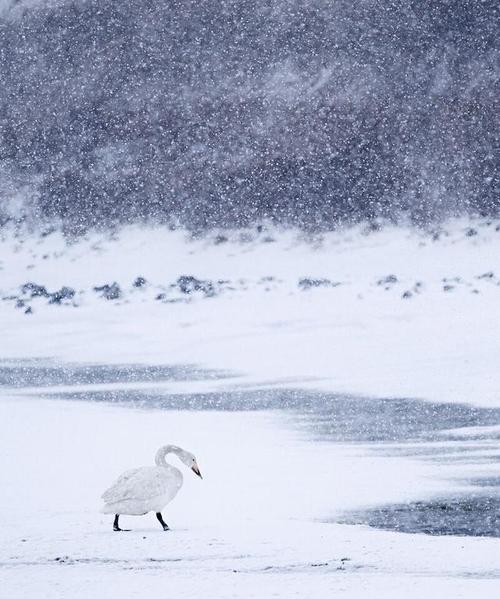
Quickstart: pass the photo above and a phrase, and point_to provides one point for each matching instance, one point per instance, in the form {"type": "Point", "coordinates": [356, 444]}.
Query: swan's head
{"type": "Point", "coordinates": [189, 460]}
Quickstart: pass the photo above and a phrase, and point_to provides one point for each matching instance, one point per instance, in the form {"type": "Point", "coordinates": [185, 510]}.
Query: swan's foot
{"type": "Point", "coordinates": [116, 526]}
{"type": "Point", "coordinates": [161, 521]}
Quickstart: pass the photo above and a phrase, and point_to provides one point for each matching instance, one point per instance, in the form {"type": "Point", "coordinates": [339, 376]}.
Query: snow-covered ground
{"type": "Point", "coordinates": [389, 313]}
{"type": "Point", "coordinates": [253, 527]}
{"type": "Point", "coordinates": [263, 322]}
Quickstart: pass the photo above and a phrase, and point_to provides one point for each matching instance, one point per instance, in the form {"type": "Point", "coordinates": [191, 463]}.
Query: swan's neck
{"type": "Point", "coordinates": [163, 451]}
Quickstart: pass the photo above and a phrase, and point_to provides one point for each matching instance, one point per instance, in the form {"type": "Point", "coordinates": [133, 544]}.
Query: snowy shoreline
{"type": "Point", "coordinates": [236, 533]}
{"type": "Point", "coordinates": [362, 336]}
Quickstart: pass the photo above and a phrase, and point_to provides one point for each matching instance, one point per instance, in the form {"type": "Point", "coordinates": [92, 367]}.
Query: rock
{"type": "Point", "coordinates": [268, 283]}
{"type": "Point", "coordinates": [372, 227]}
{"type": "Point", "coordinates": [448, 287]}
{"type": "Point", "coordinates": [139, 282]}
{"type": "Point", "coordinates": [220, 239]}
{"type": "Point", "coordinates": [48, 231]}
{"type": "Point", "coordinates": [388, 280]}
{"type": "Point", "coordinates": [188, 284]}
{"type": "Point", "coordinates": [65, 293]}
{"type": "Point", "coordinates": [34, 290]}
{"type": "Point", "coordinates": [407, 295]}
{"type": "Point", "coordinates": [20, 303]}
{"type": "Point", "coordinates": [306, 283]}
{"type": "Point", "coordinates": [109, 292]}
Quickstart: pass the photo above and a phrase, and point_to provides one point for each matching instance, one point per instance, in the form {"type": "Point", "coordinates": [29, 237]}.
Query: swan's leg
{"type": "Point", "coordinates": [115, 523]}
{"type": "Point", "coordinates": [116, 526]}
{"type": "Point", "coordinates": [161, 521]}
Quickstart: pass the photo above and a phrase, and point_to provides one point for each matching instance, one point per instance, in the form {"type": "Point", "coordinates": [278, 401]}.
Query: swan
{"type": "Point", "coordinates": [141, 490]}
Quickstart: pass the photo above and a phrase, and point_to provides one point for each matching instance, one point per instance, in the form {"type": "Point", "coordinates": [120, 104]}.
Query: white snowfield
{"type": "Point", "coordinates": [259, 524]}
{"type": "Point", "coordinates": [255, 526]}
{"type": "Point", "coordinates": [358, 337]}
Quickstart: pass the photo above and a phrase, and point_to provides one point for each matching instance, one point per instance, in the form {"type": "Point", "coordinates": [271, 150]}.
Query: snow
{"type": "Point", "coordinates": [360, 337]}
{"type": "Point", "coordinates": [256, 525]}
{"type": "Point", "coordinates": [263, 521]}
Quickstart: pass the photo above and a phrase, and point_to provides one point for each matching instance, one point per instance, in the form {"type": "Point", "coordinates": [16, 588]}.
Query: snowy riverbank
{"type": "Point", "coordinates": [253, 527]}
{"type": "Point", "coordinates": [393, 312]}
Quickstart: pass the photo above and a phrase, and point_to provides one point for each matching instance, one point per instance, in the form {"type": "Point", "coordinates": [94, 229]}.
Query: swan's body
{"type": "Point", "coordinates": [141, 490]}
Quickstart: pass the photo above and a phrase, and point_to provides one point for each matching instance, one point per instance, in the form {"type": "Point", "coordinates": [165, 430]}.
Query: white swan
{"type": "Point", "coordinates": [141, 490]}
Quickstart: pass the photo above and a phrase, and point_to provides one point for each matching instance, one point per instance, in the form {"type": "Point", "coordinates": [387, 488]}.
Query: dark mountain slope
{"type": "Point", "coordinates": [225, 113]}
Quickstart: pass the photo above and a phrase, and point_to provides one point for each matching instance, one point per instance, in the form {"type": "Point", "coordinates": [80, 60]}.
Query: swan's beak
{"type": "Point", "coordinates": [196, 470]}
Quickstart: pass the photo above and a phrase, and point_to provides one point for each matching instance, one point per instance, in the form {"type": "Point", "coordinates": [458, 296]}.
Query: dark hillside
{"type": "Point", "coordinates": [207, 113]}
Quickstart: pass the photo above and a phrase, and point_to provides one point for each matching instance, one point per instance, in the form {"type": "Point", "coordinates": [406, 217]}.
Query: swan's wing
{"type": "Point", "coordinates": [121, 484]}
{"type": "Point", "coordinates": [140, 484]}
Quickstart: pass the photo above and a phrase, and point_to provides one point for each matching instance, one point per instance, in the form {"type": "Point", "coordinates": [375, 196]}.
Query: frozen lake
{"type": "Point", "coordinates": [460, 443]}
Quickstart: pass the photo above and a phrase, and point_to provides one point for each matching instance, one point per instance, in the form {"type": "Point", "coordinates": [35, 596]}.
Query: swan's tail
{"type": "Point", "coordinates": [107, 508]}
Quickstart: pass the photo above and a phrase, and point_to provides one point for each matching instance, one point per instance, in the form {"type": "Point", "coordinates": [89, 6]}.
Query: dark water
{"type": "Point", "coordinates": [392, 427]}
{"type": "Point", "coordinates": [326, 415]}
{"type": "Point", "coordinates": [41, 373]}
{"type": "Point", "coordinates": [475, 515]}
